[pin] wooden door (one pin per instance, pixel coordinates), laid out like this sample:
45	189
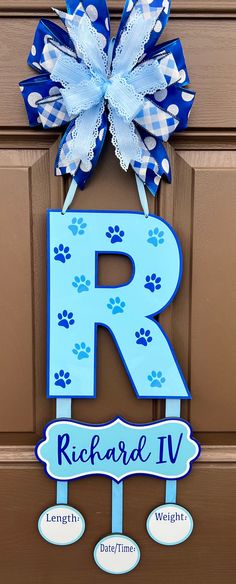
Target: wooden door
201	322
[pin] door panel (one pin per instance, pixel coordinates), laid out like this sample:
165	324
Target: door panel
204	216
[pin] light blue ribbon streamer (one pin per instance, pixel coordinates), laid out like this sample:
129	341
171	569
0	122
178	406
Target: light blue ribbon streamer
69	197
117	507
142	195
127	144
172	410
63	410
171	491
63	407
141	191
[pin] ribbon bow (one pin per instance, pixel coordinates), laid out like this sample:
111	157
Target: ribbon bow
86	79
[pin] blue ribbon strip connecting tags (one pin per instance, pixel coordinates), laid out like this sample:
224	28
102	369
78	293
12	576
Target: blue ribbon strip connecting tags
117	507
172	409
63	410
61	524
170	524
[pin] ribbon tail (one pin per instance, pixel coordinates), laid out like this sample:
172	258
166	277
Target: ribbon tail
124	138
84	135
70	196
84	172
155	163
142	195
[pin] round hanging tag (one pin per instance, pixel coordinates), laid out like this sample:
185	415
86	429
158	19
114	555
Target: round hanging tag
117	554
169	524
61	525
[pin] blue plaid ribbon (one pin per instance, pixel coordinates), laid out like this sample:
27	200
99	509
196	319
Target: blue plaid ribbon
52	112
115	78
156	121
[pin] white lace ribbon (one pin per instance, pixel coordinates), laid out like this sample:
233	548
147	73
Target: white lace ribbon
88	45
124	139
132	43
84	135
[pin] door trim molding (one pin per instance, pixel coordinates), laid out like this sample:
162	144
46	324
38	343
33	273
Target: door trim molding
180	8
209	454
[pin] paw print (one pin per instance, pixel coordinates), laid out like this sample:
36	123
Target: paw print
155	237
116	305
152	283
143	337
62	379
156	379
115	234
65	319
81	283
62	253
81	351
77	226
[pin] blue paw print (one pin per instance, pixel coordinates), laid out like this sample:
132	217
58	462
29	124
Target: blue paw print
153	283
81	351
116	305
143	337
65	319
115	234
81	284
62	379
77	226
62	253
155	237
156	379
